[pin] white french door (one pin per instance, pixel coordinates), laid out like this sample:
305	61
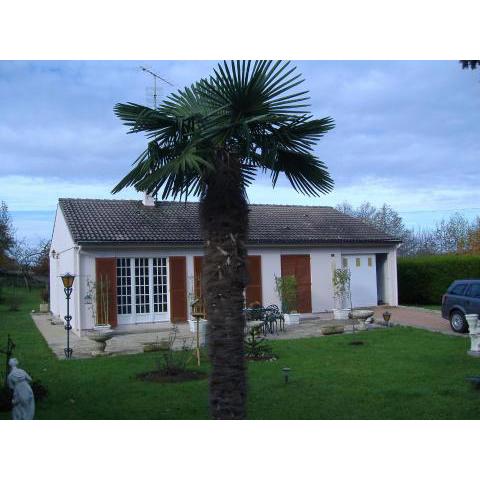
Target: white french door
142	290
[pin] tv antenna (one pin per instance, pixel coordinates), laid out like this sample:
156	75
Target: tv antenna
156	77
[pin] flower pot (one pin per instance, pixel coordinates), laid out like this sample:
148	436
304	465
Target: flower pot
202	329
202	325
291	318
44	308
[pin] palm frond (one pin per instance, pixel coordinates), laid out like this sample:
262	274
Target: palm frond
253	110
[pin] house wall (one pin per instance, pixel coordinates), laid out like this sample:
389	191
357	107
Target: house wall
322	262
65	260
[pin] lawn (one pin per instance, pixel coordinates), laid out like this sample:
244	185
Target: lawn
399	373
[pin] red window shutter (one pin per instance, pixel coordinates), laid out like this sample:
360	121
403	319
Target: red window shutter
299	267
106	295
178	288
253	292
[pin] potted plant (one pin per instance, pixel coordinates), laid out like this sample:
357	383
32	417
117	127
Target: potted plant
101	303
45	297
286	287
341	293
102	330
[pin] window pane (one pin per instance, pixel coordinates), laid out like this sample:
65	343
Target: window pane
345	262
142	287
159	285
458	289
474	290
357	262
124	293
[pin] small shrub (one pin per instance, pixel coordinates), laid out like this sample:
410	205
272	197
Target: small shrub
174	362
286	287
257	347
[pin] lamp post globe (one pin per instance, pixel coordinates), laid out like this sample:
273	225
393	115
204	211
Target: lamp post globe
67	280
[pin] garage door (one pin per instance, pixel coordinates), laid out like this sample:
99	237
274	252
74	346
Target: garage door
363	281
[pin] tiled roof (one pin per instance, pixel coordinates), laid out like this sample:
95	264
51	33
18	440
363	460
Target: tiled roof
129	221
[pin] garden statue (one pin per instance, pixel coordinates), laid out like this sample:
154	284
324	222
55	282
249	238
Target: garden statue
23	401
474	331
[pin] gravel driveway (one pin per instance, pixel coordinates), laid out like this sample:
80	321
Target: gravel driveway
417	317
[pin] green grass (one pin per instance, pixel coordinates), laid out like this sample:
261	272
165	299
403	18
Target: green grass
399	373
437	308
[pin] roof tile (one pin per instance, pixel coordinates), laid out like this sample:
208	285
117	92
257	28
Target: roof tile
129	221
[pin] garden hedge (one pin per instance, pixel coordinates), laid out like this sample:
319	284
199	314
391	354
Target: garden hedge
423	280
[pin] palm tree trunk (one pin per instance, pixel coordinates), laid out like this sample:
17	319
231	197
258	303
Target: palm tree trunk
224	220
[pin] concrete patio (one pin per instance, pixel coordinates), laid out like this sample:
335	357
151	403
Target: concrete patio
131	339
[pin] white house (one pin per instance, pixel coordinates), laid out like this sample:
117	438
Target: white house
148	256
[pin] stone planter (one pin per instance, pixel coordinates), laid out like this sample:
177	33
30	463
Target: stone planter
100	335
291	318
44	308
360	317
332	329
474	332
341	313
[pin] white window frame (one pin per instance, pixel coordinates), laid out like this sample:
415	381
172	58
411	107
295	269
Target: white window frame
134	317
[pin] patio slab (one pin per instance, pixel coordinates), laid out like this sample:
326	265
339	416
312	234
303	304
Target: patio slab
130	339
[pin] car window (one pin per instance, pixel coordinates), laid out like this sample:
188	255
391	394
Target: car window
458	289
474	290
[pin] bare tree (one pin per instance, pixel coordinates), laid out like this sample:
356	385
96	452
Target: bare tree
26	257
7	233
385	219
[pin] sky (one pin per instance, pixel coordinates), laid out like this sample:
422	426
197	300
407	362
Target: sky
406	134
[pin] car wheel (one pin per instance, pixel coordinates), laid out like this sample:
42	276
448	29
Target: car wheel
458	322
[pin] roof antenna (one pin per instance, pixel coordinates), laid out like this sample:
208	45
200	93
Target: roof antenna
156	77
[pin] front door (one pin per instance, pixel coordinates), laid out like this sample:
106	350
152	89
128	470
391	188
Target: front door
299	267
363	279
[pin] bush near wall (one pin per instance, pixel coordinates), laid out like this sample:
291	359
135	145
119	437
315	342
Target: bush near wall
423	280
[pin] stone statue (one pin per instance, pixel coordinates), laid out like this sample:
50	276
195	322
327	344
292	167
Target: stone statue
23	401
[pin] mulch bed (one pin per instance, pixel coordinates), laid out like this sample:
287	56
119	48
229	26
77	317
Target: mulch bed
176	377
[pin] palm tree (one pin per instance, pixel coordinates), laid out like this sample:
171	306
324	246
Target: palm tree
472	64
209	140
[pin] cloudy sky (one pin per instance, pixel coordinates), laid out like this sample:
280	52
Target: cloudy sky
406	134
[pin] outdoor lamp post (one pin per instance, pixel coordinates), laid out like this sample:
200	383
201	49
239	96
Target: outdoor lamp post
286	371
67	280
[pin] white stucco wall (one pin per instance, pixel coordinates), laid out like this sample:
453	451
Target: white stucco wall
64	260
